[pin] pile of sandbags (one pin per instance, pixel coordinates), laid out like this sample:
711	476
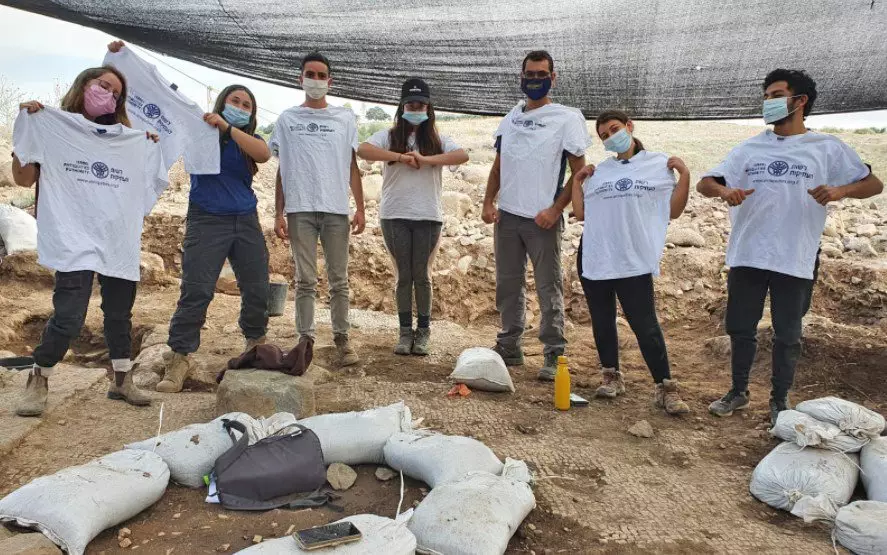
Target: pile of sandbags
829	444
438	459
358	437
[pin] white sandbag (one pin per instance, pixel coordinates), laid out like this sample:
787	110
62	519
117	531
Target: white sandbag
482	369
806	431
438	459
358	437
476	515
809	483
191	452
379	535
873	461
74	505
853	419
18	229
861	527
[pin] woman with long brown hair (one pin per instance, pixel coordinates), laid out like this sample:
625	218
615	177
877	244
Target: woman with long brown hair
410	208
98	179
626	203
222	223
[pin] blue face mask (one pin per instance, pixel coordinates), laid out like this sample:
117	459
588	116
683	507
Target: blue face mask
235	116
535	89
776	109
415	118
619	142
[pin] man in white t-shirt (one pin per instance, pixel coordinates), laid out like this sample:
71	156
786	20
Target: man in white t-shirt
778	184
534	142
317	144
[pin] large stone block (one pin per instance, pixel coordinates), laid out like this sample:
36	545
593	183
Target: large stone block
264	392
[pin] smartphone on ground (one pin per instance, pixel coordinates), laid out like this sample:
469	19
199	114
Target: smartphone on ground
327	536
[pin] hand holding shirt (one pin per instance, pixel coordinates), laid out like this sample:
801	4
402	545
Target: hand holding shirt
627	210
778	227
153	105
97	183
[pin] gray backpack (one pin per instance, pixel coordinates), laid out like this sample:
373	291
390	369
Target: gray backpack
273	472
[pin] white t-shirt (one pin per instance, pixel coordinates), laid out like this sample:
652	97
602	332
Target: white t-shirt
778	227
627	210
97	183
407	193
153	105
531	154
315	147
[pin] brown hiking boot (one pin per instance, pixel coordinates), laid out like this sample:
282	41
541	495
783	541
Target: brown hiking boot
612	384
128	392
667	397
347	356
33	402
177	369
250	343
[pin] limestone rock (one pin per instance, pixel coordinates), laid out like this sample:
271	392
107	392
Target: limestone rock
158	335
456	204
341	476
867	230
641	429
372	187
151	359
151	268
684	237
264	392
6	173
719	346
831	251
383	474
476	175
464	264
29	544
861	245
227	282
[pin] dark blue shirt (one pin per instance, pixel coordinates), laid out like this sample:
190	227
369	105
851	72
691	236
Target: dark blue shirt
228	192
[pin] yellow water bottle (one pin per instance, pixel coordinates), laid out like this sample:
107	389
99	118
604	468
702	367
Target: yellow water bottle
562	385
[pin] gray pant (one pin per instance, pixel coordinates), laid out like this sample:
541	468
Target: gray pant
515	239
333	231
412	244
209	240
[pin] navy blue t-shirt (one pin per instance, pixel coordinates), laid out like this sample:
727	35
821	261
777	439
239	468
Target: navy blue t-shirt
228	192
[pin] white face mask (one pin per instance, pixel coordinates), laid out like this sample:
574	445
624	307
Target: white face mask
315	88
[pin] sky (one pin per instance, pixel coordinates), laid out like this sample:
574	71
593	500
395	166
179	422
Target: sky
37	53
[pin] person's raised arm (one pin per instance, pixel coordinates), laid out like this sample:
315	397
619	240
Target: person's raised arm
253	147
279	206
490	214
682	190
358	223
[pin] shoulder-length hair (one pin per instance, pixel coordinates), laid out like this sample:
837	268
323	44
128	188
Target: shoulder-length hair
250	128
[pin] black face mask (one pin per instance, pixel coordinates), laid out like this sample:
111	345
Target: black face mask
106	119
536	89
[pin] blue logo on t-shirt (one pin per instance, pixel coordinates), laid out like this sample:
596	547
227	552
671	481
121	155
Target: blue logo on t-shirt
528	123
624	184
777	168
312	127
151	111
100	170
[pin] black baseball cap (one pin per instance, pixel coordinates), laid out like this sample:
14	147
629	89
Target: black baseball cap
415	90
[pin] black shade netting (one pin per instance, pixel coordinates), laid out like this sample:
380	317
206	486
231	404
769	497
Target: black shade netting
656	59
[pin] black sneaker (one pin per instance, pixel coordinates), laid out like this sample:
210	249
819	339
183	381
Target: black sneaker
512	357
730	402
777	406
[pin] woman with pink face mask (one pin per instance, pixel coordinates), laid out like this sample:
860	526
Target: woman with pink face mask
78	252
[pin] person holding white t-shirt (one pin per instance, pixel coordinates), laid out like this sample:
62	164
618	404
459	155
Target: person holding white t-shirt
534	143
778	184
317	145
98	179
410	209
626	205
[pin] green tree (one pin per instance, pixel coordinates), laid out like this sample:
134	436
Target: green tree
377	114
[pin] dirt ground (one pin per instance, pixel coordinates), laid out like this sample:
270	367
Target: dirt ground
600	489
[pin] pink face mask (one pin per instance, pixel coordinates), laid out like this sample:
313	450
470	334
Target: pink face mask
98	102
